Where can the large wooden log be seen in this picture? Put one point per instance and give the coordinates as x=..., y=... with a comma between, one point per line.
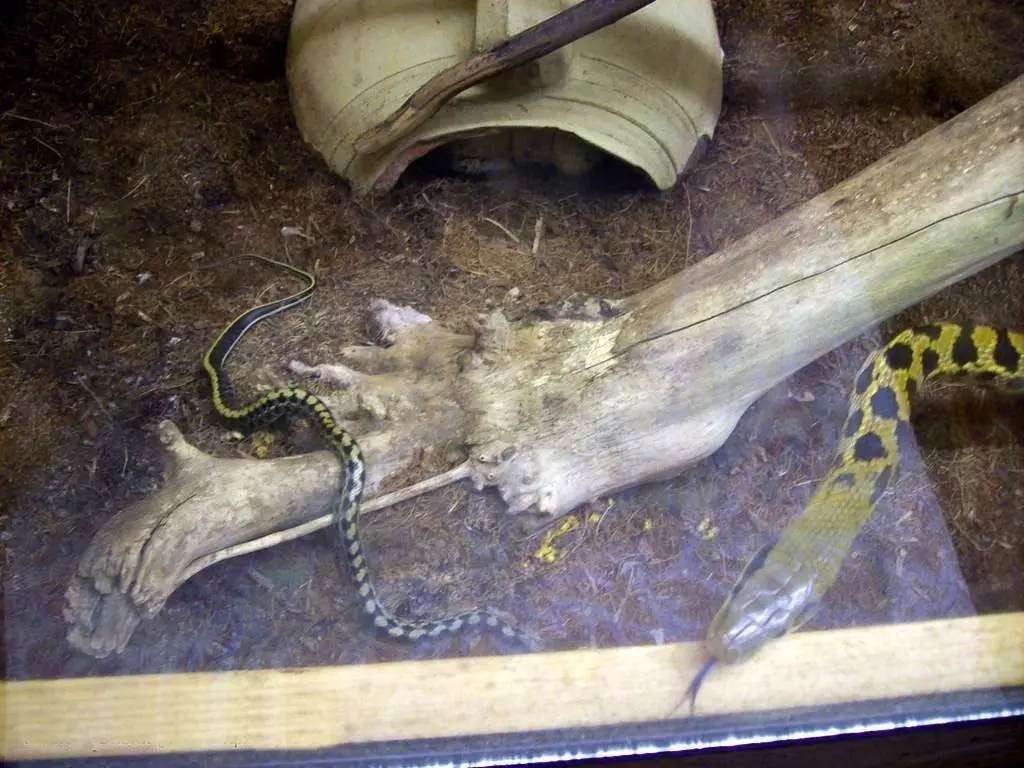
x=599, y=395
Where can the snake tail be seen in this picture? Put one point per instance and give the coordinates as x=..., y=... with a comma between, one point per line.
x=784, y=583
x=293, y=401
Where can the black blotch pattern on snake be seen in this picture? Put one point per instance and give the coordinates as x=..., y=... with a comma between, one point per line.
x=773, y=598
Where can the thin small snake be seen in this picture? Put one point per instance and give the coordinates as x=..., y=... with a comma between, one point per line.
x=298, y=402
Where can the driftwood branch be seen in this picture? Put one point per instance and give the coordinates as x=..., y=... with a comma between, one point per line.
x=593, y=396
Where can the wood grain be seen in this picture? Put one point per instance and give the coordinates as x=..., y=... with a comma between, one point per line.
x=324, y=706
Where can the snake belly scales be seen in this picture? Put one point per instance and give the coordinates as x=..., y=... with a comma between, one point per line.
x=297, y=402
x=784, y=582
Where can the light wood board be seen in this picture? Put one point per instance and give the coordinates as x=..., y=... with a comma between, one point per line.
x=324, y=706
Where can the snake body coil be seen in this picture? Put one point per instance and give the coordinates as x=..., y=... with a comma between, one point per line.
x=783, y=584
x=294, y=401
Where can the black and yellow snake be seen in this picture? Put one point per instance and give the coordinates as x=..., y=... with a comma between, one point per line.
x=783, y=584
x=294, y=401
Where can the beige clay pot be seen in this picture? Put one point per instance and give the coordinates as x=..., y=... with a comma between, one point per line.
x=646, y=89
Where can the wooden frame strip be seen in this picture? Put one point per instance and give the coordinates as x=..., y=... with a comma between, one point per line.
x=324, y=706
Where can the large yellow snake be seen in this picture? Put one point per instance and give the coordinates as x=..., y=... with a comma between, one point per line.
x=783, y=584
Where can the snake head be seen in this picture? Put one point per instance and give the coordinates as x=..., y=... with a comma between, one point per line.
x=775, y=594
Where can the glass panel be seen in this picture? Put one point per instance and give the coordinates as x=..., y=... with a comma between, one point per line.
x=612, y=309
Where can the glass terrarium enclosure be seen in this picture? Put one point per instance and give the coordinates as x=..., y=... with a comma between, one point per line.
x=451, y=382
